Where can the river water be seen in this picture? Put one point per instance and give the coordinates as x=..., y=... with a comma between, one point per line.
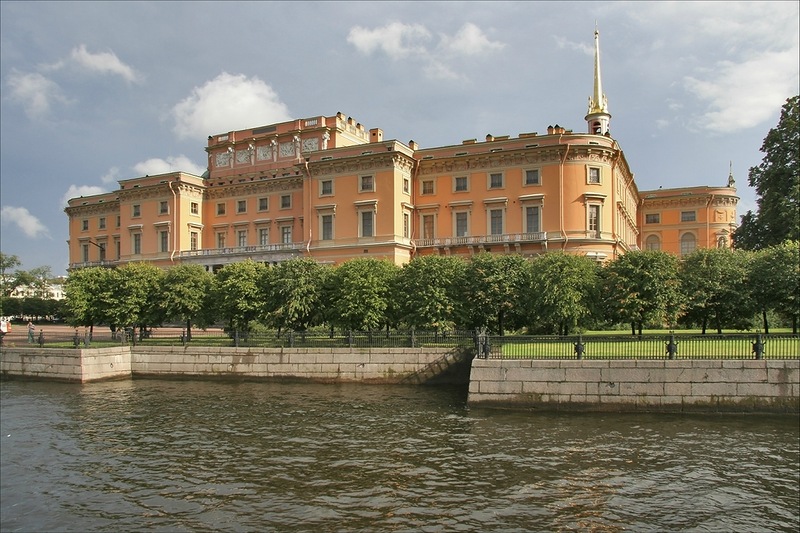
x=150, y=455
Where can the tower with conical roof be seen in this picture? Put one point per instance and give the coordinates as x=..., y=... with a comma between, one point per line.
x=598, y=117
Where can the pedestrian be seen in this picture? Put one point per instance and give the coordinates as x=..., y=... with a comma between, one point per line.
x=31, y=332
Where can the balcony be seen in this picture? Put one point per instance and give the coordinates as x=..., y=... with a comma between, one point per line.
x=478, y=240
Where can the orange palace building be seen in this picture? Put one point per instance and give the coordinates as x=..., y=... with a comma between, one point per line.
x=329, y=189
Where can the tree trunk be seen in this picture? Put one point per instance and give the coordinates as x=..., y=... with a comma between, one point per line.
x=188, y=329
x=766, y=322
x=633, y=328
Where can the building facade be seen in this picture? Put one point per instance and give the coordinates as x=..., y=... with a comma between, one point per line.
x=329, y=189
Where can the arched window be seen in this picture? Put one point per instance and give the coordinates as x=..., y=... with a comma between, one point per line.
x=688, y=243
x=652, y=243
x=722, y=242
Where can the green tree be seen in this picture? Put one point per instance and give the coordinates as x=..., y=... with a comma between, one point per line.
x=642, y=287
x=88, y=293
x=714, y=284
x=777, y=184
x=7, y=278
x=293, y=291
x=492, y=290
x=184, y=291
x=562, y=292
x=136, y=295
x=775, y=282
x=237, y=296
x=360, y=292
x=425, y=291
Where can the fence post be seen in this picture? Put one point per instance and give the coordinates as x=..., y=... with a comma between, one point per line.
x=350, y=338
x=413, y=338
x=580, y=347
x=291, y=339
x=672, y=347
x=236, y=337
x=758, y=347
x=183, y=337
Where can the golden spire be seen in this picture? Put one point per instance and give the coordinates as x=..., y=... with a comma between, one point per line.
x=597, y=102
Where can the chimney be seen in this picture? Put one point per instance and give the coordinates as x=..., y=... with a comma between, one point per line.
x=375, y=135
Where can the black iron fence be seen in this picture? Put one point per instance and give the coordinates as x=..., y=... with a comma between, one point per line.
x=618, y=346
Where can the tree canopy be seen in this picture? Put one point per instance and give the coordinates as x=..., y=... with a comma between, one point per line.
x=777, y=184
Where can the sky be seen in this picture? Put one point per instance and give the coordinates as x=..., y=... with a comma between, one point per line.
x=96, y=92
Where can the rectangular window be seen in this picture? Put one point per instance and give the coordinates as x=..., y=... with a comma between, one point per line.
x=461, y=184
x=427, y=187
x=367, y=219
x=163, y=208
x=326, y=187
x=286, y=234
x=194, y=208
x=220, y=240
x=406, y=185
x=137, y=243
x=427, y=227
x=286, y=201
x=85, y=253
x=263, y=236
x=101, y=224
x=327, y=227
x=532, y=177
x=461, y=224
x=102, y=250
x=117, y=248
x=594, y=175
x=594, y=220
x=652, y=218
x=118, y=220
x=136, y=211
x=496, y=221
x=241, y=238
x=241, y=206
x=406, y=225
x=496, y=180
x=85, y=224
x=193, y=240
x=688, y=216
x=163, y=241
x=263, y=204
x=367, y=184
x=532, y=224
x=220, y=209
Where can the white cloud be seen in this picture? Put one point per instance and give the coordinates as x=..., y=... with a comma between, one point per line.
x=226, y=103
x=156, y=166
x=112, y=176
x=582, y=47
x=396, y=39
x=24, y=220
x=103, y=62
x=745, y=94
x=470, y=40
x=75, y=191
x=34, y=92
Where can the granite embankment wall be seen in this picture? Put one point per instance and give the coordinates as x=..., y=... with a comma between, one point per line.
x=376, y=365
x=679, y=385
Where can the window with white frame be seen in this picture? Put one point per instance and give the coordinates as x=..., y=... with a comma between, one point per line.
x=286, y=234
x=136, y=243
x=101, y=224
x=194, y=208
x=496, y=216
x=85, y=253
x=326, y=187
x=366, y=223
x=688, y=243
x=163, y=207
x=263, y=236
x=652, y=243
x=461, y=184
x=263, y=204
x=85, y=224
x=532, y=176
x=241, y=238
x=221, y=208
x=193, y=240
x=428, y=226
x=461, y=223
x=241, y=206
x=326, y=227
x=136, y=211
x=652, y=218
x=496, y=180
x=533, y=218
x=406, y=225
x=593, y=222
x=221, y=239
x=366, y=184
x=406, y=185
x=688, y=216
x=163, y=241
x=593, y=175
x=427, y=187
x=286, y=201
